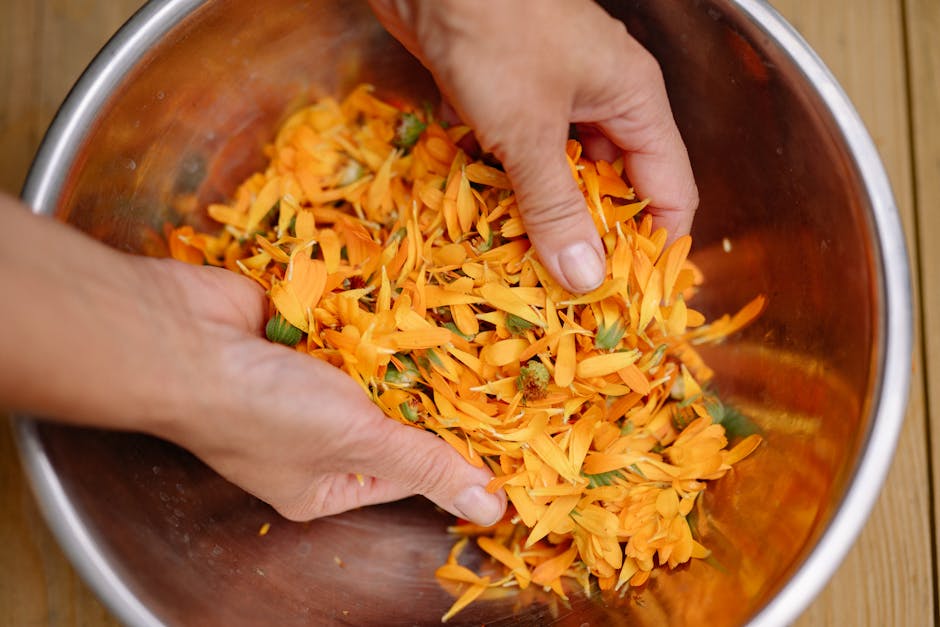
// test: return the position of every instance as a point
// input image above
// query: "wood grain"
(923, 53)
(884, 54)
(886, 578)
(44, 46)
(19, 90)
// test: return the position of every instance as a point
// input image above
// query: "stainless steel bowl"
(795, 204)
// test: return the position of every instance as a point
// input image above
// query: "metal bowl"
(795, 205)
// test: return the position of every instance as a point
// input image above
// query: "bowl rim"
(889, 398)
(895, 339)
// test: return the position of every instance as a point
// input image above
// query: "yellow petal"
(265, 200)
(581, 436)
(465, 599)
(465, 320)
(460, 574)
(378, 200)
(450, 255)
(422, 338)
(635, 378)
(511, 560)
(605, 364)
(503, 352)
(652, 298)
(330, 248)
(485, 175)
(276, 253)
(535, 426)
(626, 572)
(559, 510)
(546, 448)
(503, 298)
(307, 278)
(466, 205)
(530, 512)
(597, 521)
(436, 296)
(667, 503)
(606, 290)
(305, 226)
(742, 449)
(671, 263)
(228, 215)
(596, 463)
(553, 568)
(286, 302)
(566, 360)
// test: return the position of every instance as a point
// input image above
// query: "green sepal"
(607, 338)
(408, 411)
(517, 325)
(281, 331)
(408, 131)
(402, 378)
(736, 424)
(603, 479)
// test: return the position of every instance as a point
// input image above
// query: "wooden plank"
(38, 586)
(923, 30)
(886, 578)
(19, 90)
(44, 46)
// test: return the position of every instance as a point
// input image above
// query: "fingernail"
(479, 506)
(582, 266)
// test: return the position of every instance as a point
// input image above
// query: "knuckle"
(325, 496)
(646, 66)
(309, 506)
(556, 217)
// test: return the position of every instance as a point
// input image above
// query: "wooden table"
(886, 54)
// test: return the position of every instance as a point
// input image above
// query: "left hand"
(177, 351)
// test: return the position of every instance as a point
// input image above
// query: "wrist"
(82, 338)
(210, 321)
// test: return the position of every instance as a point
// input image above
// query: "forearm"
(83, 336)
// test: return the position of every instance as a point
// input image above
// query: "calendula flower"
(391, 253)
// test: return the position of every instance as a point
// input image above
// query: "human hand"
(519, 72)
(176, 351)
(293, 430)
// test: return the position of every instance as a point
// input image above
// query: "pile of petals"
(391, 253)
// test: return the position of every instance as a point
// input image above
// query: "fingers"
(422, 463)
(214, 294)
(661, 172)
(334, 450)
(521, 112)
(344, 438)
(675, 205)
(337, 493)
(553, 209)
(595, 145)
(655, 158)
(244, 297)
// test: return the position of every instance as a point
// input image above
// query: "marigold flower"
(389, 252)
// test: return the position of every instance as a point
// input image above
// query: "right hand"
(519, 72)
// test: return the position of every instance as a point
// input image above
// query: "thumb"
(553, 209)
(424, 464)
